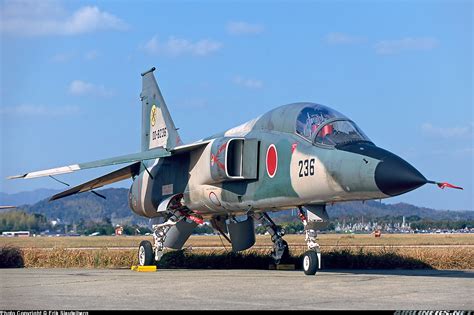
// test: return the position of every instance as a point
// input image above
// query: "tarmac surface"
(91, 289)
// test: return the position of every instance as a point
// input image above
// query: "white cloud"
(91, 55)
(179, 46)
(39, 110)
(62, 57)
(447, 132)
(78, 87)
(388, 47)
(248, 83)
(244, 28)
(44, 18)
(343, 39)
(89, 19)
(82, 88)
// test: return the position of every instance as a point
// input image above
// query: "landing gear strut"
(312, 257)
(160, 231)
(148, 253)
(280, 246)
(175, 213)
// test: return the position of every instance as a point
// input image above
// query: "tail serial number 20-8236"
(160, 133)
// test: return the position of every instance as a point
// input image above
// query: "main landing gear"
(177, 214)
(280, 246)
(148, 254)
(312, 257)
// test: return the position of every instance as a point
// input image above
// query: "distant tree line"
(22, 221)
(105, 227)
(37, 223)
(442, 225)
(203, 229)
(293, 228)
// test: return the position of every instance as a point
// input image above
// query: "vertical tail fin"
(158, 129)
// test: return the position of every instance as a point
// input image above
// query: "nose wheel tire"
(145, 254)
(310, 263)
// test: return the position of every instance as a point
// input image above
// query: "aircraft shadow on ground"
(351, 262)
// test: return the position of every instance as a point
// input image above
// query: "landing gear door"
(250, 159)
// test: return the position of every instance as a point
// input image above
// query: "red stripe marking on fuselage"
(215, 158)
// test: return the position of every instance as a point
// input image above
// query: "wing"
(115, 176)
(141, 156)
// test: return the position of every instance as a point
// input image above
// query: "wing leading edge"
(115, 176)
(141, 156)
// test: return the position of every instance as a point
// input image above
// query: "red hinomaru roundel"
(272, 160)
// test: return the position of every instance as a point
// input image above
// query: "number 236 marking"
(306, 167)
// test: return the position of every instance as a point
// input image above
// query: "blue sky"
(70, 78)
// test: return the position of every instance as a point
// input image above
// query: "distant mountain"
(371, 210)
(375, 209)
(26, 197)
(89, 207)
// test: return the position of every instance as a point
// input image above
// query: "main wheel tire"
(145, 254)
(310, 263)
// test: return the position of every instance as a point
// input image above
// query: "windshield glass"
(311, 117)
(340, 132)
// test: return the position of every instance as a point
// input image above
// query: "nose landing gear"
(312, 257)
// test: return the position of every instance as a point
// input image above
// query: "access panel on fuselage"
(170, 176)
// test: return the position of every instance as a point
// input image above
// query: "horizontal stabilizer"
(118, 175)
(141, 156)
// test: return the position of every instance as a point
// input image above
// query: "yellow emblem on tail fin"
(153, 115)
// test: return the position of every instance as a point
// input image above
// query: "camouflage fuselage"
(288, 170)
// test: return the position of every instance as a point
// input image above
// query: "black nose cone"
(394, 176)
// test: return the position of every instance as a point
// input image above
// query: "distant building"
(16, 234)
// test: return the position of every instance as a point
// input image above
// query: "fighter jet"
(297, 156)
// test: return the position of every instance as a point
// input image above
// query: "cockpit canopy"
(323, 125)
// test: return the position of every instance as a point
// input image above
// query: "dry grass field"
(262, 240)
(432, 251)
(343, 258)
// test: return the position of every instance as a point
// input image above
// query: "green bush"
(11, 257)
